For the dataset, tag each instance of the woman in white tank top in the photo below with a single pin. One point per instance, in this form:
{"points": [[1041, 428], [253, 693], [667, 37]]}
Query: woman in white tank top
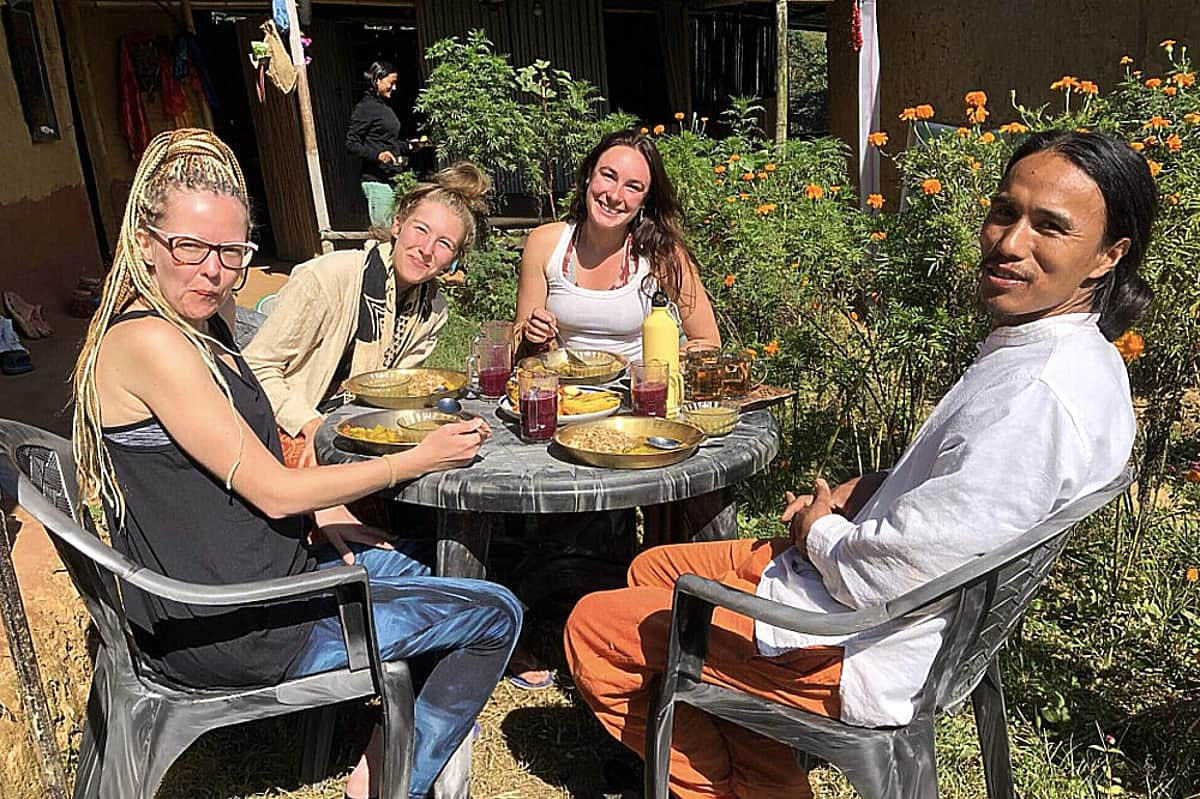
{"points": [[586, 283]]}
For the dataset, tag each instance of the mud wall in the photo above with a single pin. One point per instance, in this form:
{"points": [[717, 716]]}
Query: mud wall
{"points": [[45, 219], [934, 51]]}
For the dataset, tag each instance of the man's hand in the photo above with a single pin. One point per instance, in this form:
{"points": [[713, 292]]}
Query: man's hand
{"points": [[804, 511], [850, 497], [386, 157]]}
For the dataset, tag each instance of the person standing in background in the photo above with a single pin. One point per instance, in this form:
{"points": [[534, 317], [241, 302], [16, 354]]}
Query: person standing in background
{"points": [[374, 136]]}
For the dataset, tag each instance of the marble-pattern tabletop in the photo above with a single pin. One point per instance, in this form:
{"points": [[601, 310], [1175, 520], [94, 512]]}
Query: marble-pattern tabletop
{"points": [[511, 476]]}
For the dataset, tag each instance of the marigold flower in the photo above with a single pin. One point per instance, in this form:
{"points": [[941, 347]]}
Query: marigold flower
{"points": [[877, 139], [1153, 83], [730, 280], [678, 115], [747, 176], [987, 138], [909, 115], [718, 182], [976, 115], [1174, 143], [769, 167], [975, 98], [813, 192], [1088, 87], [772, 347], [735, 157], [658, 129], [1137, 145], [1193, 118], [1155, 167], [1014, 127], [1167, 43], [834, 189], [924, 111], [931, 185], [744, 196], [1184, 79], [1130, 345], [719, 169], [878, 235], [643, 131], [1174, 199], [1126, 60], [986, 202], [875, 201], [1169, 91], [1192, 574], [854, 316], [765, 209], [816, 306], [1065, 83], [761, 176], [1137, 73], [1150, 141], [974, 164], [1082, 129], [731, 199], [963, 133]]}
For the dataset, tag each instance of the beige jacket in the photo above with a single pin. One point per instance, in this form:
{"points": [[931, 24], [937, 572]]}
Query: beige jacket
{"points": [[296, 352]]}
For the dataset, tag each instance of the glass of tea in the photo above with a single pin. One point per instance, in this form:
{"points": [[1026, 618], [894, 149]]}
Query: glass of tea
{"points": [[743, 373], [489, 366], [703, 374], [648, 384], [538, 396]]}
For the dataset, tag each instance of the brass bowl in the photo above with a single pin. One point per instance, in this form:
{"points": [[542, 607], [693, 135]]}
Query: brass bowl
{"points": [[391, 388], [407, 427], [608, 366], [715, 418], [573, 439]]}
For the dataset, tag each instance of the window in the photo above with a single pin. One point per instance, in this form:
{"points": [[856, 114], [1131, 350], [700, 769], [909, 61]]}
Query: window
{"points": [[29, 69]]}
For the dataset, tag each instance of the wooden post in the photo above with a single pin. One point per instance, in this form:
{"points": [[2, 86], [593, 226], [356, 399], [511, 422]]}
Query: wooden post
{"points": [[781, 72], [189, 20], [29, 678], [307, 127]]}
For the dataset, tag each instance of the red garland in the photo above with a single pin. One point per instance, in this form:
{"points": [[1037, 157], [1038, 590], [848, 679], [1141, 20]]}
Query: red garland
{"points": [[856, 39]]}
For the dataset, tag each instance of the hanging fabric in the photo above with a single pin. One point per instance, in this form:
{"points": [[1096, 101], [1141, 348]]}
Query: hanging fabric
{"points": [[133, 113]]}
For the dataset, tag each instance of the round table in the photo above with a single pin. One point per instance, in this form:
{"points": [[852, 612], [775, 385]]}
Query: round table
{"points": [[512, 477]]}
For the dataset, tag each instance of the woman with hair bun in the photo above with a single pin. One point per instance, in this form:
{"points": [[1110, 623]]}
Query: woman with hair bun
{"points": [[179, 460], [342, 314], [374, 136]]}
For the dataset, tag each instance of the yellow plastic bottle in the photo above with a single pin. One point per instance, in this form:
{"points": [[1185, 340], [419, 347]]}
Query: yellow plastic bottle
{"points": [[660, 342]]}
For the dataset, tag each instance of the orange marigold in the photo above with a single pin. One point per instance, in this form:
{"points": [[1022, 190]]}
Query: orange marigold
{"points": [[1153, 83], [735, 157], [813, 192], [924, 111], [963, 133], [976, 115], [1193, 118], [643, 131], [875, 201], [931, 186], [678, 115], [1174, 199], [1174, 143], [1065, 83], [1184, 79], [1130, 345], [877, 139], [658, 129], [731, 199], [747, 176], [765, 209], [1169, 91], [853, 316], [762, 176], [987, 138], [878, 235], [719, 169], [718, 182], [1168, 43], [834, 189], [1013, 127], [1137, 145], [1087, 87], [974, 164], [730, 280], [1193, 475], [770, 168], [909, 115], [1126, 59], [772, 348], [975, 98], [1155, 167], [986, 202], [744, 196], [1192, 574]]}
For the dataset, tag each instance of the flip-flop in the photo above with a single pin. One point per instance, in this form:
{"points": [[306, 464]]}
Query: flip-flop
{"points": [[525, 685], [39, 321], [14, 358], [22, 315]]}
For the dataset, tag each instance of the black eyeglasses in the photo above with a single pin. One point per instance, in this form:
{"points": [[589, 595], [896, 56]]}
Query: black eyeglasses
{"points": [[191, 250]]}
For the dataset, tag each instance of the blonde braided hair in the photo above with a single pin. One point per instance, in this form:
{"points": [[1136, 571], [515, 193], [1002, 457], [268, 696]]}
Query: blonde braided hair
{"points": [[188, 159]]}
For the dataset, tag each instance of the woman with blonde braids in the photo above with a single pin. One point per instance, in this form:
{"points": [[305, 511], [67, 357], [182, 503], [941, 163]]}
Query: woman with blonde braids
{"points": [[177, 442], [351, 312]]}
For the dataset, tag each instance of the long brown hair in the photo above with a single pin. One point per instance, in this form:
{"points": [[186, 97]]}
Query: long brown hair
{"points": [[189, 159], [656, 230]]}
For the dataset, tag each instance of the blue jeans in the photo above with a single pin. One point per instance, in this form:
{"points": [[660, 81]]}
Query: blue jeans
{"points": [[470, 626]]}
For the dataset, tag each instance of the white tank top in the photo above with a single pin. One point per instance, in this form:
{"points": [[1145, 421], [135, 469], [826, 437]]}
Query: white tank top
{"points": [[591, 319]]}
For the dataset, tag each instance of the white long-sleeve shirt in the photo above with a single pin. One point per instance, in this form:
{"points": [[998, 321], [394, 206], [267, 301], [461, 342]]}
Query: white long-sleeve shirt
{"points": [[1042, 417]]}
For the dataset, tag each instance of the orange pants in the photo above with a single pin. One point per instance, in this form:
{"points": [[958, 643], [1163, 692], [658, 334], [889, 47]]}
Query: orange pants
{"points": [[616, 642]]}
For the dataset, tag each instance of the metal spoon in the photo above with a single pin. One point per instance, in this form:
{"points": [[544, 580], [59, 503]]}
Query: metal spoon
{"points": [[449, 405], [663, 442]]}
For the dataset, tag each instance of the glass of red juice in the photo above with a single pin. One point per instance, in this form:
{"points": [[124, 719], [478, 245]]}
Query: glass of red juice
{"points": [[538, 394], [648, 385], [490, 364]]}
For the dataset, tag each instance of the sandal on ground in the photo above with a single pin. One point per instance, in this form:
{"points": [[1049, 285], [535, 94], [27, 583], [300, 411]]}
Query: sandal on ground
{"points": [[22, 314], [519, 681], [39, 321], [14, 358]]}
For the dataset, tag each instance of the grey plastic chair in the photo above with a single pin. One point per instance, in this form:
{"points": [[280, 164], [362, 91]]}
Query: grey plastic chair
{"points": [[989, 596], [137, 723]]}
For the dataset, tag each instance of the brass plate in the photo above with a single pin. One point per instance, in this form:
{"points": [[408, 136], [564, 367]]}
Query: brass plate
{"points": [[642, 426], [556, 361], [372, 388], [398, 422]]}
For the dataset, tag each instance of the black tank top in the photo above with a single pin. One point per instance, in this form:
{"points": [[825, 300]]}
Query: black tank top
{"points": [[181, 522]]}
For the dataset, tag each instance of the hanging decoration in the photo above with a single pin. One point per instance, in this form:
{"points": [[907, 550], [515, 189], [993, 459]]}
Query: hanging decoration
{"points": [[856, 34]]}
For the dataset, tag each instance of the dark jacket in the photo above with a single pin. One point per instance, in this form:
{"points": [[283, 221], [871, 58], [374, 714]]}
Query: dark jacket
{"points": [[374, 128]]}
